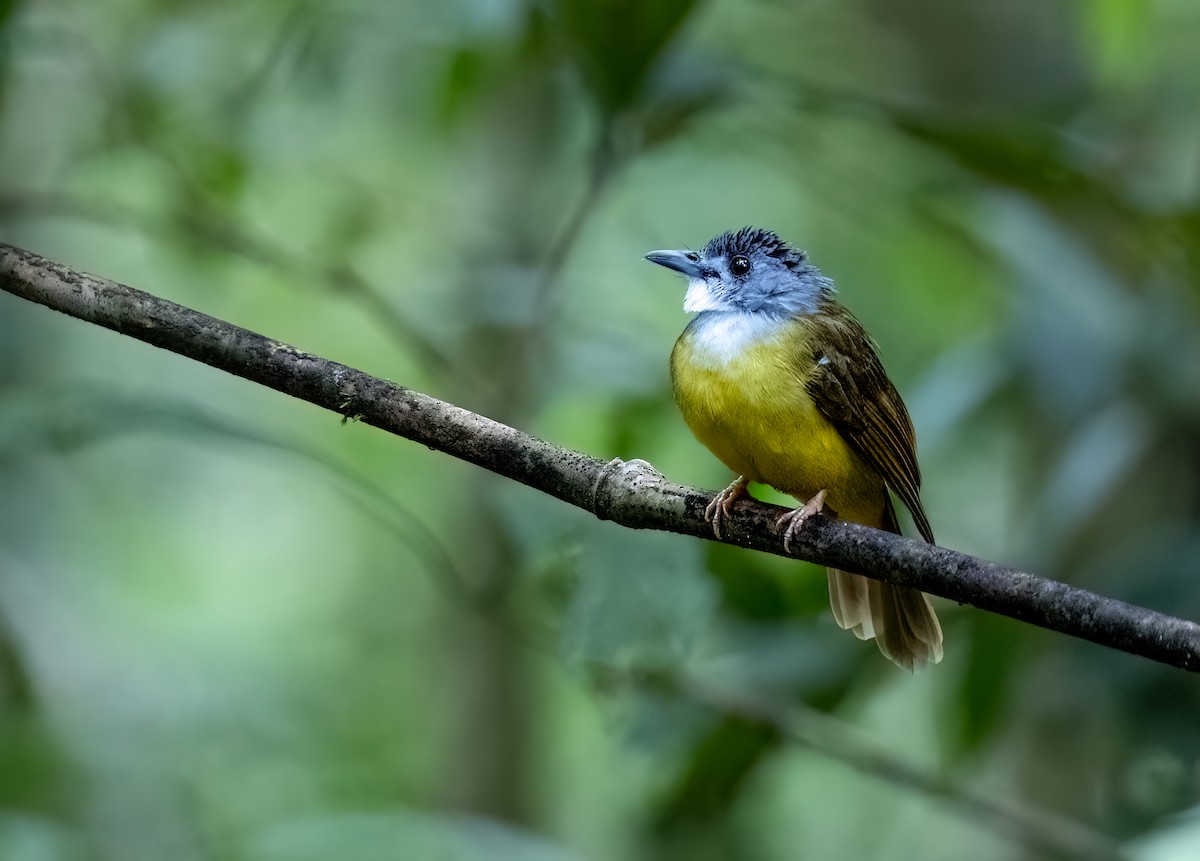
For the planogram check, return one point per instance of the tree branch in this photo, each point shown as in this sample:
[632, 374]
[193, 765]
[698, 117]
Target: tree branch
[630, 493]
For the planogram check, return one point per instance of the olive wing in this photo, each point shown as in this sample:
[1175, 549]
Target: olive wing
[851, 389]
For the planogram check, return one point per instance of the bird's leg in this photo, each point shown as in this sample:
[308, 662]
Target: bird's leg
[797, 517]
[718, 509]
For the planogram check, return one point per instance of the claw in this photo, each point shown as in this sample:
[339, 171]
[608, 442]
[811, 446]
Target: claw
[797, 517]
[718, 509]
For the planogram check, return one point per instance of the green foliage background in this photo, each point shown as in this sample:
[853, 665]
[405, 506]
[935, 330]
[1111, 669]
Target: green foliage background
[231, 628]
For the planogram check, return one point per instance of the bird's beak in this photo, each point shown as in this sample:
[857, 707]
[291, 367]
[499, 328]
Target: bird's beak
[680, 261]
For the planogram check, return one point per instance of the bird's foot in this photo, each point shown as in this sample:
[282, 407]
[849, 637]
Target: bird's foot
[718, 509]
[797, 517]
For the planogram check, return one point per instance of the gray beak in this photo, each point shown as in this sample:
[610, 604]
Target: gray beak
[685, 262]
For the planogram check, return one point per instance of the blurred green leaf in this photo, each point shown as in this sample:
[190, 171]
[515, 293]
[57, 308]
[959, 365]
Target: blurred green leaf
[617, 43]
[1028, 155]
[463, 78]
[25, 837]
[758, 588]
[990, 667]
[1118, 33]
[321, 39]
[637, 603]
[715, 772]
[402, 836]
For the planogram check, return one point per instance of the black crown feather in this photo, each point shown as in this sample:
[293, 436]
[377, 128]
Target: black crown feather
[750, 239]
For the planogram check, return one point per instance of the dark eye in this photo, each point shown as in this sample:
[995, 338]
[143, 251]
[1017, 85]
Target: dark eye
[739, 266]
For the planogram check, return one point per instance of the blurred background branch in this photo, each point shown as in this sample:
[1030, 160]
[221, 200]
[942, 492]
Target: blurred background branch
[1038, 831]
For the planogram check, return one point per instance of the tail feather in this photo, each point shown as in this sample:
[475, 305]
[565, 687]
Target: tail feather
[850, 603]
[901, 620]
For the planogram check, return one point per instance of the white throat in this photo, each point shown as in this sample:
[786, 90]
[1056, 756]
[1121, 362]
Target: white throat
[699, 297]
[718, 337]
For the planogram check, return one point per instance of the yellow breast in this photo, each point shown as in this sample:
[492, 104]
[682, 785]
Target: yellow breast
[740, 383]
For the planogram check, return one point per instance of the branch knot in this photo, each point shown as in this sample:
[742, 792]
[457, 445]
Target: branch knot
[631, 478]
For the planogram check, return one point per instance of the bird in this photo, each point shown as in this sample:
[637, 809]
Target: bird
[781, 382]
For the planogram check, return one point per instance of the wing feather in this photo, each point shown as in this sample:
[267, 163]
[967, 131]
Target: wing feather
[852, 390]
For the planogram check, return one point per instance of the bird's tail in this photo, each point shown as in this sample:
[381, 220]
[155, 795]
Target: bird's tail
[900, 619]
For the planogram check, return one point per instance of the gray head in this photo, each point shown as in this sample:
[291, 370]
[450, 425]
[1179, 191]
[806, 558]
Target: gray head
[750, 270]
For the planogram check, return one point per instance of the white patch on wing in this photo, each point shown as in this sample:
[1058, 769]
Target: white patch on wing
[721, 336]
[699, 297]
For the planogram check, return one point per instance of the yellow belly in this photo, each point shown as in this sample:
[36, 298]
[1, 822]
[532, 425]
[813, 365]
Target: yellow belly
[753, 412]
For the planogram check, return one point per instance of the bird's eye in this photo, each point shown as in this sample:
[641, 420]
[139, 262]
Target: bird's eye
[739, 265]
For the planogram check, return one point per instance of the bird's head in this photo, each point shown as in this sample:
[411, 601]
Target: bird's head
[748, 270]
